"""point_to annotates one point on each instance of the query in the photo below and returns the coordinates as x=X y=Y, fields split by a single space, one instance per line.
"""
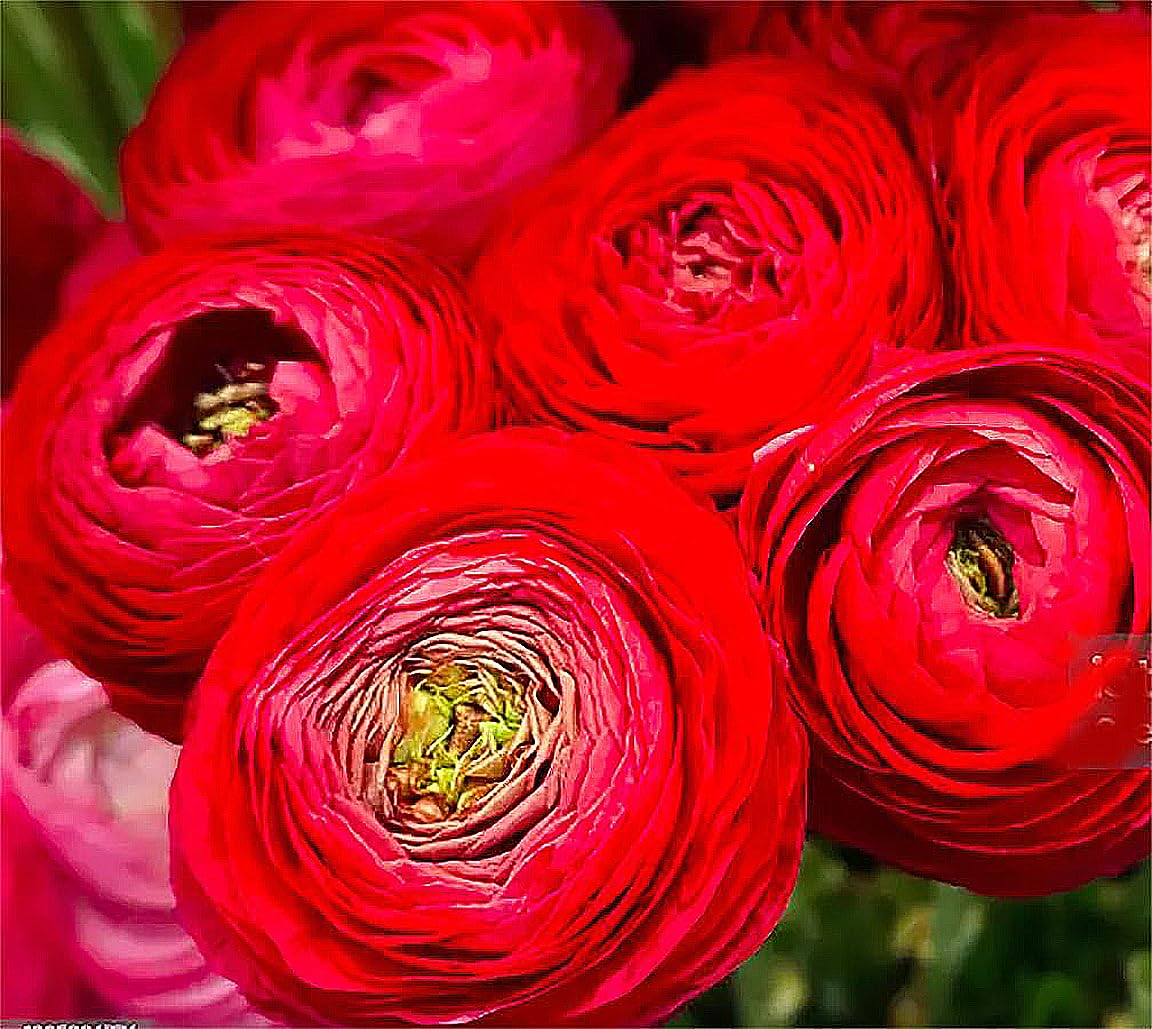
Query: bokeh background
x=861 y=944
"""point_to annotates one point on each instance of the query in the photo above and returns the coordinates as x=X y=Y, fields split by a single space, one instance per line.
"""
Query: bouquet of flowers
x=518 y=467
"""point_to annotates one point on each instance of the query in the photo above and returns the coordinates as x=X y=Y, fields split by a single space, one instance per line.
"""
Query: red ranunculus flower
x=902 y=49
x=94 y=932
x=168 y=437
x=496 y=740
x=1045 y=161
x=879 y=41
x=47 y=223
x=957 y=568
x=717 y=267
x=416 y=121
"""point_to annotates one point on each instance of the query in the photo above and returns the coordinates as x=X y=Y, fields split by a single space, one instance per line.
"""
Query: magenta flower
x=86 y=862
x=36 y=980
x=416 y=121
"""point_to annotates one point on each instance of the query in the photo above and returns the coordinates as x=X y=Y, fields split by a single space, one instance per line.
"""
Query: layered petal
x=36 y=980
x=957 y=568
x=517 y=756
x=905 y=51
x=413 y=121
x=170 y=436
x=718 y=267
x=112 y=248
x=90 y=925
x=1044 y=162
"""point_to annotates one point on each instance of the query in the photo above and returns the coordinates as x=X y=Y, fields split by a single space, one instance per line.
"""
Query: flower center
x=229 y=411
x=980 y=560
x=211 y=384
x=461 y=727
x=700 y=258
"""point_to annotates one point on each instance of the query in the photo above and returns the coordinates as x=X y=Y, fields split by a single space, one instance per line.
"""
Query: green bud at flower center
x=460 y=729
x=230 y=411
x=980 y=559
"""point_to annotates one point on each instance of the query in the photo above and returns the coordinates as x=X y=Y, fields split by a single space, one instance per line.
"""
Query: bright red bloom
x=1046 y=164
x=169 y=436
x=47 y=223
x=491 y=743
x=957 y=567
x=416 y=121
x=879 y=41
x=718 y=267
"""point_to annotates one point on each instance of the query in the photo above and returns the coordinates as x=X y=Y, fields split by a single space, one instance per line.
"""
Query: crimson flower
x=34 y=982
x=903 y=50
x=957 y=568
x=498 y=745
x=719 y=266
x=171 y=435
x=1045 y=164
x=47 y=223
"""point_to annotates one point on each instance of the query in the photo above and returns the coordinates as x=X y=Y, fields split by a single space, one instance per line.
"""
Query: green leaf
x=75 y=78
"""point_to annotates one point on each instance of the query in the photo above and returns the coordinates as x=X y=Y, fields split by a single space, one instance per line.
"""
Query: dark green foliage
x=875 y=947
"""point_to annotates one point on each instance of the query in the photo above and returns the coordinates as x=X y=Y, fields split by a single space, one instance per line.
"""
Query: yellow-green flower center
x=230 y=411
x=461 y=727
x=980 y=560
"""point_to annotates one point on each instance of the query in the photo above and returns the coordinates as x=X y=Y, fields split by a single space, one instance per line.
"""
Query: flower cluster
x=500 y=487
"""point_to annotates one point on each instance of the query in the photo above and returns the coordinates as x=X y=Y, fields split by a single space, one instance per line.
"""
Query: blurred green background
x=865 y=945
x=861 y=945
x=75 y=78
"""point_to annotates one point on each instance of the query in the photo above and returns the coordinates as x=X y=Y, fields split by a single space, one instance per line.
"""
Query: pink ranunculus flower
x=36 y=981
x=24 y=649
x=86 y=840
x=415 y=121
